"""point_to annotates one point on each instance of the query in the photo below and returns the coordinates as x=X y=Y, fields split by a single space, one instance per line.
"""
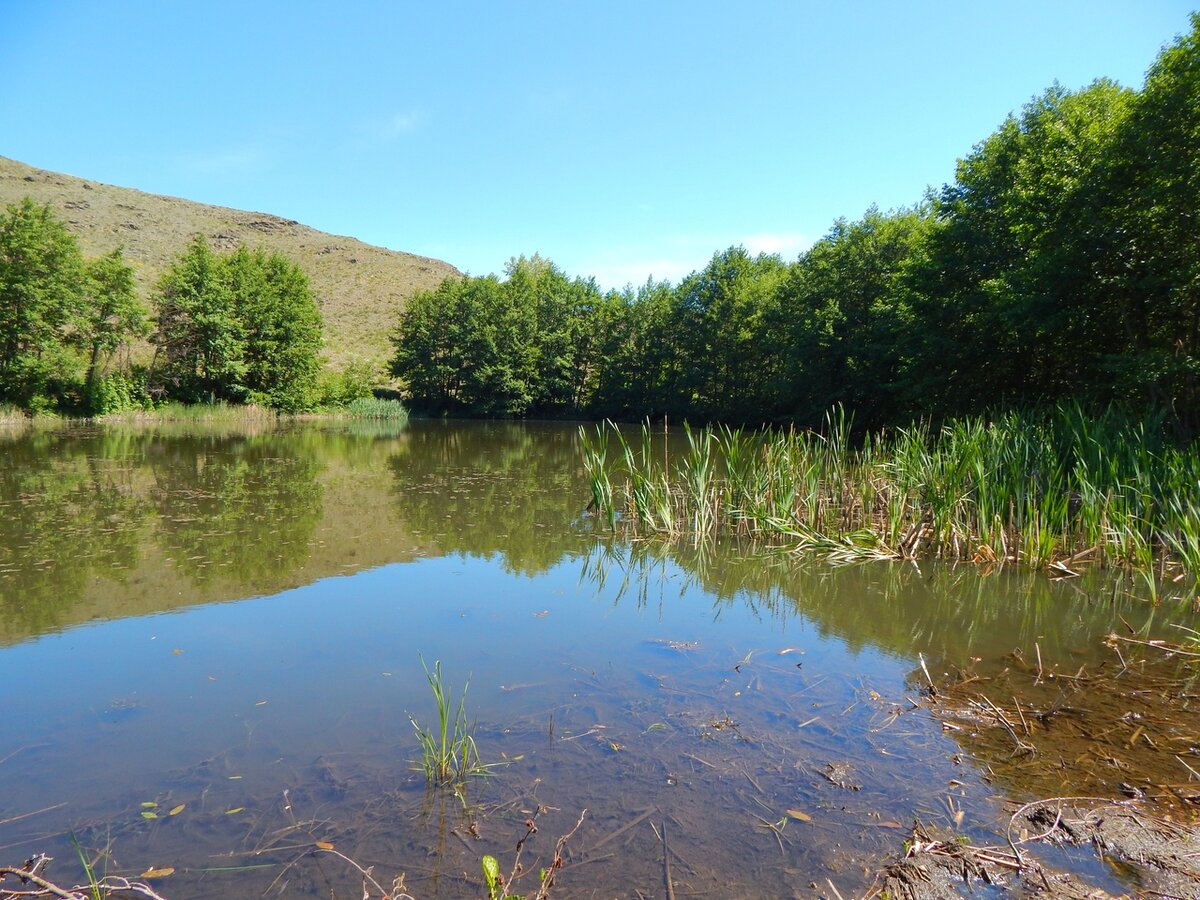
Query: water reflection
x=242 y=508
x=512 y=490
x=946 y=612
x=114 y=522
x=67 y=515
x=710 y=687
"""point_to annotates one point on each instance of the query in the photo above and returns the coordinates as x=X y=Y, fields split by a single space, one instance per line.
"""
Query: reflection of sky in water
x=318 y=655
x=117 y=710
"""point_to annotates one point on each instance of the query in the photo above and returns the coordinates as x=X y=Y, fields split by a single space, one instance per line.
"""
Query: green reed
x=1055 y=488
x=448 y=751
x=376 y=408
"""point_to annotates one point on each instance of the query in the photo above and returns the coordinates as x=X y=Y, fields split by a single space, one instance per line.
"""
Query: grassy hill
x=360 y=288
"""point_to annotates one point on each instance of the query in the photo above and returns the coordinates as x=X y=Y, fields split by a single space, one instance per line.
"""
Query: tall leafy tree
x=200 y=336
x=112 y=315
x=1152 y=268
x=429 y=347
x=41 y=292
x=1008 y=308
x=236 y=328
x=720 y=320
x=840 y=318
x=282 y=329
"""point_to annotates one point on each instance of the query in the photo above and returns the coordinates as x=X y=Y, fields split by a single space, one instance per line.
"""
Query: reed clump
x=1052 y=489
x=377 y=408
x=448 y=751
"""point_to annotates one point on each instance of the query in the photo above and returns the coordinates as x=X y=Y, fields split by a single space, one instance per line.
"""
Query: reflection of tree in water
x=945 y=611
x=68 y=512
x=235 y=507
x=506 y=488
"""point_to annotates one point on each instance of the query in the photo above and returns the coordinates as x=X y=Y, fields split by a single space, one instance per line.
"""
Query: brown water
x=234 y=622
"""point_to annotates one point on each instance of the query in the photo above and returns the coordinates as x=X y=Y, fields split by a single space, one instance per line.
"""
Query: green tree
x=564 y=338
x=1152 y=265
x=840 y=317
x=112 y=315
x=237 y=328
x=725 y=354
x=41 y=290
x=428 y=342
x=282 y=329
x=1008 y=308
x=200 y=336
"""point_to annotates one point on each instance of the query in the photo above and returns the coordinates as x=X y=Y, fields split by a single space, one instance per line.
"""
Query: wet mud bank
x=1100 y=764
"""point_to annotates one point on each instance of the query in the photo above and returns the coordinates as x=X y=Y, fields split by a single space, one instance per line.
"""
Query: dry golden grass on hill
x=360 y=288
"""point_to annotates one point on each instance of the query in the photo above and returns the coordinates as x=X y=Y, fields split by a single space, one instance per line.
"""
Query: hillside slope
x=360 y=288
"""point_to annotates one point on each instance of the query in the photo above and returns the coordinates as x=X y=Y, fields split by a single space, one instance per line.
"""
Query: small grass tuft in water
x=448 y=751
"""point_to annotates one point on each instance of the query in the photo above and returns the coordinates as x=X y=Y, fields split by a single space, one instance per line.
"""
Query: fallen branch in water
x=28 y=874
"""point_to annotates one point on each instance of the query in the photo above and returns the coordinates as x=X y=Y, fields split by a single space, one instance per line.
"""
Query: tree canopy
x=1063 y=262
x=237 y=328
x=61 y=317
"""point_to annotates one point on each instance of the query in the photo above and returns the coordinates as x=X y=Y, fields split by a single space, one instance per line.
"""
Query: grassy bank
x=1057 y=489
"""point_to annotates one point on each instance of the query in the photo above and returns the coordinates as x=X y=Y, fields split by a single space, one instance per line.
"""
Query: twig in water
x=667 y=863
x=36 y=812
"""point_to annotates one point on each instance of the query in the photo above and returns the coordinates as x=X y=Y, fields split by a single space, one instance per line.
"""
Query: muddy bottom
x=1114 y=751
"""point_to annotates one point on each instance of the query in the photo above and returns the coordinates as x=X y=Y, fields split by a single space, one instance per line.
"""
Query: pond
x=211 y=649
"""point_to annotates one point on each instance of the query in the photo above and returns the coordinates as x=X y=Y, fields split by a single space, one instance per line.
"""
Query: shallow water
x=234 y=622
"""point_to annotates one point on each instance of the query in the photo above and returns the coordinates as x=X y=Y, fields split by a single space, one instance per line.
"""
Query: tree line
x=238 y=328
x=1062 y=262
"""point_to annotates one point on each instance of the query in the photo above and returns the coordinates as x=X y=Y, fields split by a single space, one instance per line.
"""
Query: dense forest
x=1063 y=262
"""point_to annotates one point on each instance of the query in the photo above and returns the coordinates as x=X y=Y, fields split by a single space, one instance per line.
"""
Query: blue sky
x=619 y=139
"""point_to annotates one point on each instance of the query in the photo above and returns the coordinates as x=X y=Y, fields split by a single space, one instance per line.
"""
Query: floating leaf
x=149 y=815
x=158 y=873
x=235 y=777
x=236 y=809
x=324 y=845
x=261 y=703
x=799 y=816
x=177 y=651
x=148 y=804
x=176 y=810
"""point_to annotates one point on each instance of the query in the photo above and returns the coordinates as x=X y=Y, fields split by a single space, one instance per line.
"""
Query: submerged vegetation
x=1056 y=489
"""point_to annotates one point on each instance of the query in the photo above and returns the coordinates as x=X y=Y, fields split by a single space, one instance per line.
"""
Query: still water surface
x=233 y=621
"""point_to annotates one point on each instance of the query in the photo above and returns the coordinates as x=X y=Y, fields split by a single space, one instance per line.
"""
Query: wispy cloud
x=226 y=161
x=787 y=244
x=386 y=129
x=674 y=257
x=636 y=272
x=401 y=123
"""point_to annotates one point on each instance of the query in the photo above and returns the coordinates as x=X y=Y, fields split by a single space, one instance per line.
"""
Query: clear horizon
x=622 y=144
